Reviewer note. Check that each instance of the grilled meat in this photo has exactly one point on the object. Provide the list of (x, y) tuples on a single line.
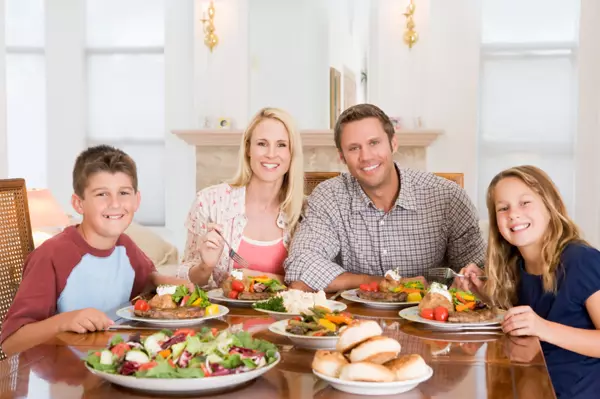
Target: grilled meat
[(184, 312), (472, 316), (382, 296), (255, 296)]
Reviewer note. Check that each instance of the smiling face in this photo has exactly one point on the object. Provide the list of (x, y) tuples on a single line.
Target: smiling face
[(521, 215), (269, 151), (368, 153), (108, 204)]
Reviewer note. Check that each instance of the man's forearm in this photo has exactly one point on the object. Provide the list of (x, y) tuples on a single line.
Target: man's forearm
[(31, 335)]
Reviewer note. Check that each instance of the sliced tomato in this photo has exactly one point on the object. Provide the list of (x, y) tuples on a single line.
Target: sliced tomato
[(120, 349), (185, 331), (233, 294), (141, 305), (441, 313), (204, 370), (427, 314), (214, 331), (147, 366), (365, 287), (171, 363), (237, 285), (374, 286)]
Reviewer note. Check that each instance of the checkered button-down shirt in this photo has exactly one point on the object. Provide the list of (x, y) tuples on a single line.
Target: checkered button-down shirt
[(432, 224)]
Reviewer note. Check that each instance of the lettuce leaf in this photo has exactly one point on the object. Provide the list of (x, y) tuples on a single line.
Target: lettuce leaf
[(93, 361), (180, 292), (117, 339)]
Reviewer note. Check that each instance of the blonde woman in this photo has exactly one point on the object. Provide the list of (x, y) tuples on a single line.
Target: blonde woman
[(256, 212), (540, 269)]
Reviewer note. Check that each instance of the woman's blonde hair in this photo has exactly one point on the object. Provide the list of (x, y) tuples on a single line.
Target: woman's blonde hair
[(292, 189), (501, 265)]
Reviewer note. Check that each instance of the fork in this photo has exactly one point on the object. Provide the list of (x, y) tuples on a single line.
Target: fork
[(234, 255), (446, 272)]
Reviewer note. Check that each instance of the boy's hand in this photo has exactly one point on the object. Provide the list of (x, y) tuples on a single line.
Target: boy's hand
[(84, 320)]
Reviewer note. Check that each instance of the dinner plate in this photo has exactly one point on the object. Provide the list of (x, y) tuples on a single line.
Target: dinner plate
[(331, 305), (184, 386), (217, 295), (352, 295), (303, 341), (127, 313), (412, 314), (374, 388)]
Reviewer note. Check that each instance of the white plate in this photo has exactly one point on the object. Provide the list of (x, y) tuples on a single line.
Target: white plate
[(331, 305), (127, 313), (303, 341), (171, 386), (374, 388), (217, 295), (412, 314), (352, 295)]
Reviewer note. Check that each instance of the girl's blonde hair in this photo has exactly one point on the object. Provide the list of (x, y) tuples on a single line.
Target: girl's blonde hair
[(292, 189), (502, 257)]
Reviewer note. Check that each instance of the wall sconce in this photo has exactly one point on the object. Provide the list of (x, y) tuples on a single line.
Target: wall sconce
[(210, 38), (410, 35)]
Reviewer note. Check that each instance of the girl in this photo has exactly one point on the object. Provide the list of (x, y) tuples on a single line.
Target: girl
[(540, 269), (256, 212)]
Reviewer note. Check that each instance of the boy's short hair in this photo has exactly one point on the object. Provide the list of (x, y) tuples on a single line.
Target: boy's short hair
[(102, 158)]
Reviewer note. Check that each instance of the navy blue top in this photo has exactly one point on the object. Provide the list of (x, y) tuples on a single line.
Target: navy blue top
[(573, 375)]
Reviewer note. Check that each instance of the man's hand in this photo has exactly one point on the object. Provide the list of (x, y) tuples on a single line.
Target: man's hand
[(84, 320), (300, 285)]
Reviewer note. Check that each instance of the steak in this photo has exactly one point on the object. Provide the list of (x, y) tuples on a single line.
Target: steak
[(473, 316), (382, 296), (184, 312), (255, 296)]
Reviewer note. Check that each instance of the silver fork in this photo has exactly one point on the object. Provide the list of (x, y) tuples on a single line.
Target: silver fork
[(446, 272), (234, 255)]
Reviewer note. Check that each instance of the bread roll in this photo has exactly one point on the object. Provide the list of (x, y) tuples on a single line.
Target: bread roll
[(408, 367), (357, 332), (328, 363), (367, 372), (375, 350)]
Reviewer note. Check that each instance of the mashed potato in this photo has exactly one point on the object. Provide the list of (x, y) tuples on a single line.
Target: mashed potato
[(296, 301)]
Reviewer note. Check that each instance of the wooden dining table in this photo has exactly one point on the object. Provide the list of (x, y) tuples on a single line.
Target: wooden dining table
[(465, 364)]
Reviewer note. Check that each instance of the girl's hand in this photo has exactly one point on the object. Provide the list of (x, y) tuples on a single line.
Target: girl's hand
[(523, 321), (470, 281)]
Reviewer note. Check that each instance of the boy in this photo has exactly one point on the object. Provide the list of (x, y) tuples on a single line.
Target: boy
[(88, 269)]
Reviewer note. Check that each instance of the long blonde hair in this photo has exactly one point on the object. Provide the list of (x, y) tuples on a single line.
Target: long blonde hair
[(502, 257), (292, 189)]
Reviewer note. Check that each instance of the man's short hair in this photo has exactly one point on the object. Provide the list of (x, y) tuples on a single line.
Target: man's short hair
[(359, 112)]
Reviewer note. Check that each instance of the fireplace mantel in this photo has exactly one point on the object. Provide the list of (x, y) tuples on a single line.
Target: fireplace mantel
[(310, 138)]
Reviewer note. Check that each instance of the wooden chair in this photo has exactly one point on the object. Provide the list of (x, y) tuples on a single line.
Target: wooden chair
[(312, 179), (16, 241)]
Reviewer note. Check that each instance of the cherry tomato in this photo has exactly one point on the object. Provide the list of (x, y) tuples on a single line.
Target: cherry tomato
[(441, 313), (233, 294), (185, 331), (365, 287), (141, 305), (120, 349), (374, 286), (237, 285), (427, 314)]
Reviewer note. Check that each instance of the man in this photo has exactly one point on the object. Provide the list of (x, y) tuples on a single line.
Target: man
[(379, 217)]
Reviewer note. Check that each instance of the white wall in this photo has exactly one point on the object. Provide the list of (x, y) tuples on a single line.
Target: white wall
[(180, 161), (65, 96), (3, 141), (436, 80), (288, 59)]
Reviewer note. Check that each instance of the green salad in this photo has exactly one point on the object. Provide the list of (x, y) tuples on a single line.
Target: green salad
[(184, 353)]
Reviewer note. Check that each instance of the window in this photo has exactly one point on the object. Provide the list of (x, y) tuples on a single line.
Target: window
[(125, 90), (528, 90), (26, 91)]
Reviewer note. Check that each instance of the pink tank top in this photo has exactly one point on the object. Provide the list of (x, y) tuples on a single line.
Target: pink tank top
[(263, 256)]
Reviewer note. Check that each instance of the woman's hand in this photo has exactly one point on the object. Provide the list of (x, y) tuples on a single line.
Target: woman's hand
[(211, 245), (470, 281), (523, 321)]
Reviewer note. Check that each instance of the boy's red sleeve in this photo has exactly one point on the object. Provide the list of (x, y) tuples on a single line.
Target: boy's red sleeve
[(36, 297)]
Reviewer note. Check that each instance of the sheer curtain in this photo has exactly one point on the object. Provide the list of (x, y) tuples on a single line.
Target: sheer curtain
[(528, 97), (125, 90)]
